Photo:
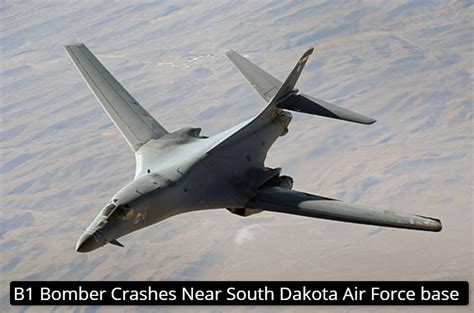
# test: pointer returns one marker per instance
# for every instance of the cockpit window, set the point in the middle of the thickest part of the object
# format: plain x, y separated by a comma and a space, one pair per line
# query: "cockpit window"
121, 213
108, 210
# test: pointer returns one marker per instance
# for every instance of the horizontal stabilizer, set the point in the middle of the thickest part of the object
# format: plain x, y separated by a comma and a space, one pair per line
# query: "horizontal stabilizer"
284, 95
264, 84
307, 104
282, 200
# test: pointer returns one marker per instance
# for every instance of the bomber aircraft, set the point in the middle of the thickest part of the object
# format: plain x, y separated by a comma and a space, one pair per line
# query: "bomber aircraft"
183, 171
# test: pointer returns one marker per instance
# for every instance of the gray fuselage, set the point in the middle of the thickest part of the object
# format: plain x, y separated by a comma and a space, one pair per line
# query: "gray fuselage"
183, 171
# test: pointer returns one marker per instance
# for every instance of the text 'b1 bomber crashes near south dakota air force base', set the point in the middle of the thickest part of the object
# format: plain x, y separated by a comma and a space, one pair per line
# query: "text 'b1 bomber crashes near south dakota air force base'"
182, 171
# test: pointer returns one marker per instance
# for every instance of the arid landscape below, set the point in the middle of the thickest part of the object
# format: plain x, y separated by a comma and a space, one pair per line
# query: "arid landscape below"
407, 64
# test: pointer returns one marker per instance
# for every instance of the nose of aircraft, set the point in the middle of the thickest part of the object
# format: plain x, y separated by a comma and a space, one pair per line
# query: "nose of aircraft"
87, 243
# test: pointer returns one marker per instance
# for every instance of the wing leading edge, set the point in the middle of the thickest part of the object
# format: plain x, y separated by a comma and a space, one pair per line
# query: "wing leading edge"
133, 121
288, 201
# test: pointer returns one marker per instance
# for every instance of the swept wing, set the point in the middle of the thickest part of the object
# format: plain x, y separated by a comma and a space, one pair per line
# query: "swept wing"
133, 121
278, 199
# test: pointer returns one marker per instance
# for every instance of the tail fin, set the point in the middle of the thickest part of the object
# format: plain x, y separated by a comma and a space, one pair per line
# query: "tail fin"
285, 96
288, 87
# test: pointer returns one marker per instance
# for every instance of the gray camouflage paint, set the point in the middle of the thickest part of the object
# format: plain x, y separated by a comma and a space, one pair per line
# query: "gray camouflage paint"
182, 171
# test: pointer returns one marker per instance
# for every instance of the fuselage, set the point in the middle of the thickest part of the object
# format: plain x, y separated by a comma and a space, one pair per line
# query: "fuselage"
183, 171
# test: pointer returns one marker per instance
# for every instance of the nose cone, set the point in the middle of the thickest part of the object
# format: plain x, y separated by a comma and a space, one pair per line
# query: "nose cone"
87, 243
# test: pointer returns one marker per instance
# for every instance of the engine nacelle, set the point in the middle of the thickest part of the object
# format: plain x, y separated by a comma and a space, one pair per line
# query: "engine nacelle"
244, 211
281, 181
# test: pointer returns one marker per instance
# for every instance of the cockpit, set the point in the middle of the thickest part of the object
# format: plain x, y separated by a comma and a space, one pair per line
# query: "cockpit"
117, 213
108, 210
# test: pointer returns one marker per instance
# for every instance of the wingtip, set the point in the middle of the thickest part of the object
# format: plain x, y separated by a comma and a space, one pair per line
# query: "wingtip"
229, 52
370, 121
73, 44
433, 224
440, 227
358, 118
362, 119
